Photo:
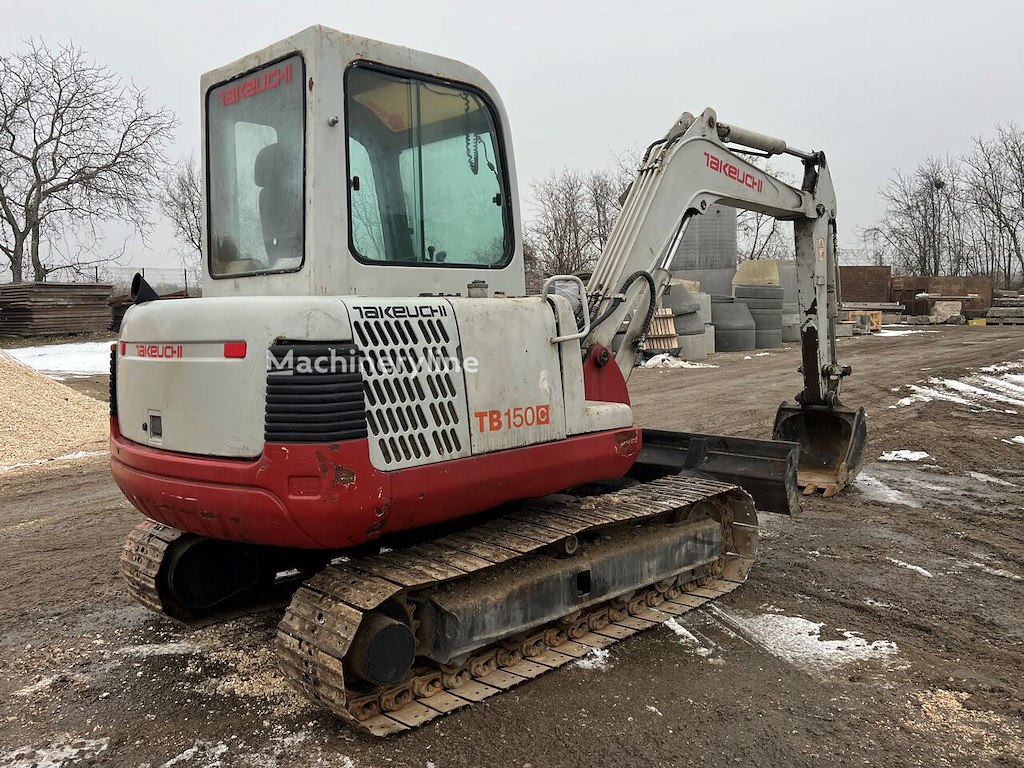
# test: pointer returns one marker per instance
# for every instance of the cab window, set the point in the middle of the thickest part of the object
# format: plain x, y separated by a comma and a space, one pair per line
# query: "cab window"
255, 171
427, 181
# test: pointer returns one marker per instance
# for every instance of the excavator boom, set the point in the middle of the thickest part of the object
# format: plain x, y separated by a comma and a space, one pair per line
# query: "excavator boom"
681, 176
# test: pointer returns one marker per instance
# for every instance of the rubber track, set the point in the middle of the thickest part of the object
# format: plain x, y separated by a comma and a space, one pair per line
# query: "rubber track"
326, 611
141, 559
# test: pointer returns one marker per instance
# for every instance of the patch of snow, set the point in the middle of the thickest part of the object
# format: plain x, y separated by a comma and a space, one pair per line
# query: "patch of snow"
655, 710
997, 394
54, 756
208, 753
1019, 440
665, 360
747, 357
762, 354
67, 457
875, 603
875, 490
904, 455
910, 567
682, 631
688, 638
41, 685
84, 359
989, 479
596, 659
158, 649
996, 571
798, 641
900, 332
995, 384
1004, 367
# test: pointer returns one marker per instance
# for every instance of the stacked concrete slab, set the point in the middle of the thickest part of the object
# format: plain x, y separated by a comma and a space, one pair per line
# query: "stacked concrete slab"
1007, 310
692, 312
790, 305
734, 326
757, 285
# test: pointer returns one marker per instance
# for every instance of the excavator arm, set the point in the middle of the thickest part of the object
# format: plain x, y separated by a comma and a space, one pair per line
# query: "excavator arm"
681, 176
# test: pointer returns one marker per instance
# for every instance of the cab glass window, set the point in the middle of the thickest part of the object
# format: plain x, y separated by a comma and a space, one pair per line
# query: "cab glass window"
427, 181
255, 171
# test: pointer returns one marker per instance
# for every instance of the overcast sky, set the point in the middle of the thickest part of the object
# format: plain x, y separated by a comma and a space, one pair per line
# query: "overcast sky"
877, 85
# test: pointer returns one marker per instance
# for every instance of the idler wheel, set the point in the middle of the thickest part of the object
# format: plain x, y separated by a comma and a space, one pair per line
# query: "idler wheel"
383, 650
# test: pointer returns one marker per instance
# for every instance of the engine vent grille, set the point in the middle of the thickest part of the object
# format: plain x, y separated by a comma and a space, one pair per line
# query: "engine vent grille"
314, 393
415, 390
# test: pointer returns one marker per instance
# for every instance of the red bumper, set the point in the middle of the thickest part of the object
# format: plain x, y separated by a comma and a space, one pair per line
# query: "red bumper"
329, 496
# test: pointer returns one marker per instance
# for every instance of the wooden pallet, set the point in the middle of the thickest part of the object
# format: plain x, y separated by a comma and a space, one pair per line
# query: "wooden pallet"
875, 317
39, 309
662, 333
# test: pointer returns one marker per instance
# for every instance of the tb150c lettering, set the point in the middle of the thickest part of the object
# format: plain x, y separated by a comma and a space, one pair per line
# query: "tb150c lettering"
513, 418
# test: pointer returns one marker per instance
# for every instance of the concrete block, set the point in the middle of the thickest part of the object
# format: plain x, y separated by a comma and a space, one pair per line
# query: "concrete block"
717, 281
705, 307
757, 272
696, 347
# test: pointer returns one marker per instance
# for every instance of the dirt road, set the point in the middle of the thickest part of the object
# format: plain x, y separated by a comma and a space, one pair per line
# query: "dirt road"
883, 627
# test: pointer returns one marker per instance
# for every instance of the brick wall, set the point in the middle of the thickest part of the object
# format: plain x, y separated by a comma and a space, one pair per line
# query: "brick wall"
904, 289
868, 284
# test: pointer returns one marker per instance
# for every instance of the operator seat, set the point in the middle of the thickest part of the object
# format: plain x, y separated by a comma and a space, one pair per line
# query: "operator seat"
280, 202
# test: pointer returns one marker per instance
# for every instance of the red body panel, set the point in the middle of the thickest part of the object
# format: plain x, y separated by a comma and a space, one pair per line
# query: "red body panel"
603, 381
329, 496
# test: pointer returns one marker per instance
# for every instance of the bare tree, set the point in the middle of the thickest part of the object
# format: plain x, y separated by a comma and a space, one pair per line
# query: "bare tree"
575, 213
77, 147
759, 235
960, 215
181, 201
995, 178
559, 233
924, 218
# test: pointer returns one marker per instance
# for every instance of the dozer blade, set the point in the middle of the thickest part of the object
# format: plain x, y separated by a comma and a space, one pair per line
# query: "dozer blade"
766, 469
832, 441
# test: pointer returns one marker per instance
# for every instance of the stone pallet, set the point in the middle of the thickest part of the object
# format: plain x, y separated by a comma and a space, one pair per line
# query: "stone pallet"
1006, 311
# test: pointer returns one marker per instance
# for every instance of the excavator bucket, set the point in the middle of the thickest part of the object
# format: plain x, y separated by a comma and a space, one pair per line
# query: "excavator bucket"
831, 439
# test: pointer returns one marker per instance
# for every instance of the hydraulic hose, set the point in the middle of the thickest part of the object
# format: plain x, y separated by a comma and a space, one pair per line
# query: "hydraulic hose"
619, 299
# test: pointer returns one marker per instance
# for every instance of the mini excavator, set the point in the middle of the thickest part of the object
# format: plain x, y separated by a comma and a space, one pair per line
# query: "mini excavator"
364, 418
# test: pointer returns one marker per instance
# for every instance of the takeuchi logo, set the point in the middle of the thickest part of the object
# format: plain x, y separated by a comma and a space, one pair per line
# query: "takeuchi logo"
727, 169
256, 84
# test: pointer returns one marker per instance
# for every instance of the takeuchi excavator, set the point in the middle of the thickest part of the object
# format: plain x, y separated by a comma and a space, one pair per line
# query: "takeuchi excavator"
364, 415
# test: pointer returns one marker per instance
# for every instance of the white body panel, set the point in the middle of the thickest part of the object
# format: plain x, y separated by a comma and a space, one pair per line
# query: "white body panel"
211, 405
515, 393
443, 378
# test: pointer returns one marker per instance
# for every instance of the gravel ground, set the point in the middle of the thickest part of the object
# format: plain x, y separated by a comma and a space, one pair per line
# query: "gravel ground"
881, 627
42, 419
